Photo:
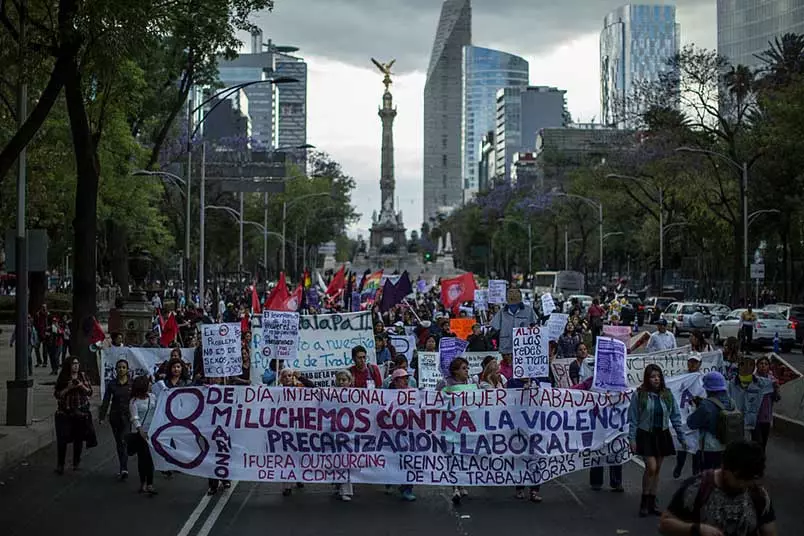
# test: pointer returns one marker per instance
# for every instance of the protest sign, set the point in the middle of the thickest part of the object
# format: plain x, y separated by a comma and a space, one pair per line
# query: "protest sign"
497, 288
621, 333
448, 349
141, 361
431, 359
504, 437
481, 299
280, 330
462, 327
221, 350
555, 325
429, 370
610, 365
404, 345
530, 353
548, 305
672, 362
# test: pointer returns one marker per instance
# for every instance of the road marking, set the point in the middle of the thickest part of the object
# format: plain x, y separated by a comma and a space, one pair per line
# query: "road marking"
572, 493
216, 511
193, 519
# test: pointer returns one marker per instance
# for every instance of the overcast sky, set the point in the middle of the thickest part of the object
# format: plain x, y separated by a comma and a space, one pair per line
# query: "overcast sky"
338, 38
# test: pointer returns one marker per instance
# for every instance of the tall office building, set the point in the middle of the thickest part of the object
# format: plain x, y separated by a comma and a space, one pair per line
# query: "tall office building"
443, 107
635, 44
484, 72
744, 27
521, 113
278, 113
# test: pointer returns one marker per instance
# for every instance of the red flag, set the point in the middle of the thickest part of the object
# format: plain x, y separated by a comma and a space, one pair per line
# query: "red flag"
278, 295
338, 283
170, 331
245, 323
293, 302
255, 301
456, 290
97, 335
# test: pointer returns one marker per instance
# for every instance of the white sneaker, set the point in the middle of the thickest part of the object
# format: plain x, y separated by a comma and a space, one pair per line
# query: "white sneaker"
346, 498
464, 492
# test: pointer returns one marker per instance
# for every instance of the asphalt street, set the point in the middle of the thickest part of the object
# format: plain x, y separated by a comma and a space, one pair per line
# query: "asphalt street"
34, 500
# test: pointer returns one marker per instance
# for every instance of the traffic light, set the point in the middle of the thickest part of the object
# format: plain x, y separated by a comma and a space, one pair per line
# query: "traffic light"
427, 255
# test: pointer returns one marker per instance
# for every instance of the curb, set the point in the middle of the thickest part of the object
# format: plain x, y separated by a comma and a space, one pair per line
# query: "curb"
787, 427
19, 445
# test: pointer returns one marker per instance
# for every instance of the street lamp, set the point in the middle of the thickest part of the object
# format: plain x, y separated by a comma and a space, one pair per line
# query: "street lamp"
661, 219
567, 242
599, 206
239, 218
743, 168
529, 229
753, 216
285, 207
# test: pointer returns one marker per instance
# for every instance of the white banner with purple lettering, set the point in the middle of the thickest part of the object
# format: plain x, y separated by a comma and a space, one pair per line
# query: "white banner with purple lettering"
430, 372
504, 437
141, 361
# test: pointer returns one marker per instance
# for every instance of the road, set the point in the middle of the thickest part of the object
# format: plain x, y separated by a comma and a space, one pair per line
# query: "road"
92, 503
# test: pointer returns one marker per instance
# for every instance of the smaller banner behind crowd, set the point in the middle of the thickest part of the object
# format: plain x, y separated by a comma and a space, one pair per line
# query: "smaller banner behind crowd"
141, 361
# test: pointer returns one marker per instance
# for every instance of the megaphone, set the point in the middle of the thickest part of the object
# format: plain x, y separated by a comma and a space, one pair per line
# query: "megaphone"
95, 347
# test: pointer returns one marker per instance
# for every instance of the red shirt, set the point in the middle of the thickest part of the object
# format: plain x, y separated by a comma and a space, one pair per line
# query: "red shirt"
360, 377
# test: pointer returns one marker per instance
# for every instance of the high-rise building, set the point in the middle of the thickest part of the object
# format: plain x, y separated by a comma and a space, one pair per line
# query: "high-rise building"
443, 109
227, 118
486, 162
278, 113
635, 44
744, 27
484, 72
521, 113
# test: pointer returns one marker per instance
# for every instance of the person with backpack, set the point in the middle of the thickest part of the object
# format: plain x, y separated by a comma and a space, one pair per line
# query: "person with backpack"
717, 420
748, 390
716, 502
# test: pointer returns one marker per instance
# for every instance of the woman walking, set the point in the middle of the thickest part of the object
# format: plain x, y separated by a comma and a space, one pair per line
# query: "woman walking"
458, 380
653, 410
141, 409
115, 402
73, 418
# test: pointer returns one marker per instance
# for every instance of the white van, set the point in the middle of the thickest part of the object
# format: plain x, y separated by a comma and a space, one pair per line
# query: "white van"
564, 282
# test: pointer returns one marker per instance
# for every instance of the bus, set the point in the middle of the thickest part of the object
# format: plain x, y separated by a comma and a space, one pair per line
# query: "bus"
565, 282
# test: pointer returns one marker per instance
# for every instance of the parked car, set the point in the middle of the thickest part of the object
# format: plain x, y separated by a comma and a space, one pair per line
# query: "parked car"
655, 306
584, 300
795, 314
718, 310
686, 317
632, 308
768, 324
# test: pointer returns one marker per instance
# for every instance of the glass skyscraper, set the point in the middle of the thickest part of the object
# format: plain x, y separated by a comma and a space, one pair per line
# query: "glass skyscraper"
484, 72
635, 44
744, 27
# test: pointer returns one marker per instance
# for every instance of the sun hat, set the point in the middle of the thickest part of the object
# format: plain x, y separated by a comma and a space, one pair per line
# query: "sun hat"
714, 382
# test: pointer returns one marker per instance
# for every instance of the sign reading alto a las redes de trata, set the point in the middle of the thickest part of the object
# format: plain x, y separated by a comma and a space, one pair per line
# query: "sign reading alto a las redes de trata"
504, 437
530, 353
221, 347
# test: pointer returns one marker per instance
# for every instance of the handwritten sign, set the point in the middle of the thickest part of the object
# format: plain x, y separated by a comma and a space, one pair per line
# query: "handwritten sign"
281, 333
497, 289
221, 350
548, 305
481, 299
404, 345
555, 325
530, 355
448, 349
610, 372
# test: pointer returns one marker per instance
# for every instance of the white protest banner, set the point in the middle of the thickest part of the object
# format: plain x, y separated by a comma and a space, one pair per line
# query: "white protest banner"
497, 290
686, 388
431, 359
621, 333
504, 437
280, 331
548, 305
481, 299
141, 361
672, 362
555, 325
561, 374
404, 345
530, 353
610, 365
221, 345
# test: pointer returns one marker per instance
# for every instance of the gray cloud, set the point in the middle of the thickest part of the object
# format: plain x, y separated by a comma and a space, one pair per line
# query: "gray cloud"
352, 31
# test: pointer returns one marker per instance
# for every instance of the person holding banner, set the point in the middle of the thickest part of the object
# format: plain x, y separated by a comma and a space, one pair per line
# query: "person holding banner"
653, 410
457, 381
115, 401
141, 408
365, 375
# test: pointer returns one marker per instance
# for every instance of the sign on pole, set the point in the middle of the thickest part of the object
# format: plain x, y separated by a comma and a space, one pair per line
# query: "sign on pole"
758, 271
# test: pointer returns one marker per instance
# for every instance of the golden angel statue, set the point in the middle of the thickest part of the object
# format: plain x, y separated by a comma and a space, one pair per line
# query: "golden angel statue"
385, 68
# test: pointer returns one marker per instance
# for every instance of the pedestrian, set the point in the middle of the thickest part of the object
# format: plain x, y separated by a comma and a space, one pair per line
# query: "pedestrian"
595, 315
115, 403
33, 342
729, 501
731, 356
456, 381
661, 339
477, 341
490, 377
653, 410
400, 379
596, 473
514, 315
55, 342
141, 408
578, 371
747, 320
568, 342
364, 375
73, 418
765, 414
698, 342
748, 391
345, 490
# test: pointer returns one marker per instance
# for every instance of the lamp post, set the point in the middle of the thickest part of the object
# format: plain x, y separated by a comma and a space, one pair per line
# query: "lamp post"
595, 204
529, 229
743, 168
285, 207
661, 219
241, 222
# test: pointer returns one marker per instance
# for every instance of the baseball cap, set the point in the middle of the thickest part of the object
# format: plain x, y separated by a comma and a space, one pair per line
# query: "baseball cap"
694, 357
661, 322
399, 373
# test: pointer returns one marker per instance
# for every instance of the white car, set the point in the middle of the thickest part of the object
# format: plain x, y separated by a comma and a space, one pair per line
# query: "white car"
718, 310
768, 324
584, 300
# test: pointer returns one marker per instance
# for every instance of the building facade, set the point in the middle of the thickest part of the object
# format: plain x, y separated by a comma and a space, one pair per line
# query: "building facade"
484, 72
521, 113
485, 166
443, 109
745, 27
635, 44
227, 120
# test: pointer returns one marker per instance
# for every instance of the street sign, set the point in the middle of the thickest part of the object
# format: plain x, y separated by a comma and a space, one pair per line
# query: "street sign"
252, 185
757, 271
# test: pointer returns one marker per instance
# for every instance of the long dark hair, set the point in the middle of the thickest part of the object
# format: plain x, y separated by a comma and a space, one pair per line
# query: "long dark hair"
168, 370
140, 386
456, 364
66, 371
646, 388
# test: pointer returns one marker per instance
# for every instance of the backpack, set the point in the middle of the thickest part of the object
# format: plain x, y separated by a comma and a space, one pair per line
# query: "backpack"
730, 423
708, 485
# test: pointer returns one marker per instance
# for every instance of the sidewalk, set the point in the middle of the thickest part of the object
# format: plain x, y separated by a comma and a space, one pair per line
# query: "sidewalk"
17, 442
